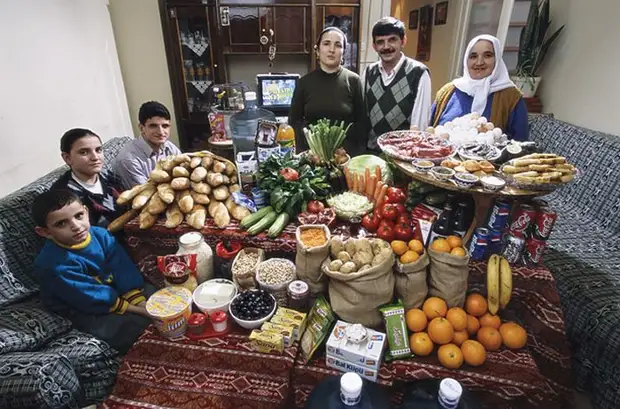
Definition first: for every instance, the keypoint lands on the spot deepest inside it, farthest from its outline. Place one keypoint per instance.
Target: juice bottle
(286, 139)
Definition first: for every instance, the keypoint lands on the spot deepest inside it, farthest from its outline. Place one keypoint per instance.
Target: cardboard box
(287, 332)
(367, 353)
(345, 366)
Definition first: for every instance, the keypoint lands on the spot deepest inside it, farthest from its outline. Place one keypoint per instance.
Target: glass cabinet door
(346, 18)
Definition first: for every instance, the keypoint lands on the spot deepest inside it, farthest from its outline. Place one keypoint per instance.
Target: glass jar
(298, 295)
(194, 243)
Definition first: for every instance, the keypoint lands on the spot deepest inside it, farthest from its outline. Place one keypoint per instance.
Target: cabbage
(359, 164)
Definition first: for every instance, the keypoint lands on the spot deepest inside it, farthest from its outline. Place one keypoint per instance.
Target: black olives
(252, 305)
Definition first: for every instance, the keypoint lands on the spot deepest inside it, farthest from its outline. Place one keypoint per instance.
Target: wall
(580, 76)
(59, 70)
(142, 56)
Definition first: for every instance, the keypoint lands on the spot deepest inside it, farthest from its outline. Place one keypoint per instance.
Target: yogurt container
(170, 309)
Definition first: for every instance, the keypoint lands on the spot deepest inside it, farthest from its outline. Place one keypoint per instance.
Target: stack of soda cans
(521, 238)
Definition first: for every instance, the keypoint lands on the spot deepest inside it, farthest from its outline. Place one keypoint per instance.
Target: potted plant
(533, 47)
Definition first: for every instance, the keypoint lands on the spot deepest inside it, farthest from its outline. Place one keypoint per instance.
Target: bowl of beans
(274, 276)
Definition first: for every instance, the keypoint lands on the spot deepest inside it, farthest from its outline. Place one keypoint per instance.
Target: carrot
(347, 175)
(355, 182)
(370, 190)
(367, 180)
(378, 173)
(361, 184)
(377, 191)
(381, 199)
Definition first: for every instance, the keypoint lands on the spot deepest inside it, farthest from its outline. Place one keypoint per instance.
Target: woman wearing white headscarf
(485, 88)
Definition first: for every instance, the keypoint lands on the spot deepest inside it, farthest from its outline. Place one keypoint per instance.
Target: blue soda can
(495, 241)
(259, 197)
(478, 246)
(499, 215)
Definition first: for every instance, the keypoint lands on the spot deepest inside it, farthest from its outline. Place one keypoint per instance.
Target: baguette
(195, 162)
(174, 216)
(167, 164)
(201, 187)
(185, 201)
(539, 168)
(180, 183)
(165, 192)
(197, 217)
(215, 179)
(120, 222)
(140, 200)
(219, 167)
(147, 220)
(234, 179)
(182, 158)
(198, 174)
(221, 193)
(155, 205)
(531, 174)
(230, 169)
(180, 172)
(220, 214)
(527, 162)
(128, 195)
(159, 176)
(199, 197)
(234, 188)
(240, 212)
(206, 162)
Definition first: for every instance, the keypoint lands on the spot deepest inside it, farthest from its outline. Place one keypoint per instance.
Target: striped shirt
(137, 160)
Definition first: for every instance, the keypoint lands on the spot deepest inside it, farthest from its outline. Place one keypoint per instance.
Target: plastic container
(219, 320)
(224, 258)
(194, 243)
(348, 391)
(243, 126)
(170, 309)
(210, 308)
(197, 323)
(435, 394)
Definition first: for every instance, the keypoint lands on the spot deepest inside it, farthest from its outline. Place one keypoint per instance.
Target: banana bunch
(499, 283)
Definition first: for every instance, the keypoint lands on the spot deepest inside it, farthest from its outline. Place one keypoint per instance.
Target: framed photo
(441, 13)
(424, 33)
(414, 17)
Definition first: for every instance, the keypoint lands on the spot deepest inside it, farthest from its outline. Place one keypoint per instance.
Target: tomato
(315, 206)
(400, 208)
(371, 222)
(289, 174)
(386, 231)
(403, 218)
(403, 232)
(386, 222)
(396, 195)
(389, 211)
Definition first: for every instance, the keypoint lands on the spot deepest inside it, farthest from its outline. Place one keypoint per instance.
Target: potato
(335, 265)
(344, 257)
(195, 162)
(348, 267)
(350, 246)
(206, 162)
(159, 176)
(180, 172)
(378, 245)
(180, 183)
(201, 188)
(221, 193)
(362, 258)
(219, 167)
(363, 245)
(381, 257)
(166, 192)
(198, 174)
(364, 268)
(336, 246)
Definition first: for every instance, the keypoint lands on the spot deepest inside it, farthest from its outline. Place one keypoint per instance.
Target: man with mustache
(397, 89)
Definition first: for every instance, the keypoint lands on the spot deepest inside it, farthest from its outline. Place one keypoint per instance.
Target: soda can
(495, 241)
(499, 214)
(534, 249)
(513, 247)
(478, 246)
(523, 219)
(545, 219)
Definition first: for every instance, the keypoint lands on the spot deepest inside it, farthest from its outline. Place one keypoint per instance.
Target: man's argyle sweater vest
(389, 107)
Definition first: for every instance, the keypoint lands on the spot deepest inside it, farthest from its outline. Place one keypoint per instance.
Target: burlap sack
(309, 259)
(448, 277)
(410, 279)
(356, 297)
(247, 280)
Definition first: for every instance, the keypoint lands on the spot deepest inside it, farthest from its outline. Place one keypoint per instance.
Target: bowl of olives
(251, 308)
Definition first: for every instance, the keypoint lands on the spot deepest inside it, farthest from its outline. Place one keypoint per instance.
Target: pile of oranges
(451, 244)
(454, 331)
(408, 252)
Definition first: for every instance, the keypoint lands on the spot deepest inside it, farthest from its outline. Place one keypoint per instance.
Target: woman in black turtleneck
(332, 92)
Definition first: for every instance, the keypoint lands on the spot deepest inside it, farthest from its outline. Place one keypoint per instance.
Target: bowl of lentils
(251, 308)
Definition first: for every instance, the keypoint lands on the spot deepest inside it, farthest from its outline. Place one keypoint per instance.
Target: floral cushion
(28, 326)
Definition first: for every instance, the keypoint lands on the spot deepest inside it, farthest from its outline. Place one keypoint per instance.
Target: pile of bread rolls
(185, 187)
(540, 168)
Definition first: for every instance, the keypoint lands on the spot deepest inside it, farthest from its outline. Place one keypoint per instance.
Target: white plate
(465, 156)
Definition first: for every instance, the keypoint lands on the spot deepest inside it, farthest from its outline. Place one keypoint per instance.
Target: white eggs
(468, 128)
(497, 132)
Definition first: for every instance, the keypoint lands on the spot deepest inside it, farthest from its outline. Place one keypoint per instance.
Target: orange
(490, 338)
(410, 256)
(474, 353)
(440, 330)
(417, 246)
(490, 320)
(399, 247)
(454, 241)
(476, 305)
(416, 320)
(450, 356)
(513, 335)
(435, 307)
(460, 337)
(458, 318)
(441, 246)
(421, 344)
(473, 325)
(458, 251)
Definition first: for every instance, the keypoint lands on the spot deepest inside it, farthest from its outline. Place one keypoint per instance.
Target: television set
(275, 91)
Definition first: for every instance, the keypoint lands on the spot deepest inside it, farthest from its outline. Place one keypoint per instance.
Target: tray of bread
(539, 171)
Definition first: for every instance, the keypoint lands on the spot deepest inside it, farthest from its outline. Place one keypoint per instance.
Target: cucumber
(255, 217)
(263, 224)
(279, 225)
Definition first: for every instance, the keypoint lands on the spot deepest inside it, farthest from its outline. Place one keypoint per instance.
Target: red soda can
(523, 218)
(534, 249)
(543, 225)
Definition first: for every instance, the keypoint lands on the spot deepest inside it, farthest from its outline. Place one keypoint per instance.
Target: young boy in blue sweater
(85, 275)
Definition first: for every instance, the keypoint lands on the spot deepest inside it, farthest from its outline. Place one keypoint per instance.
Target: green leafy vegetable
(324, 138)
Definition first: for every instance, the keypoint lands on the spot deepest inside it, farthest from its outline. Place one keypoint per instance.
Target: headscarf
(481, 89)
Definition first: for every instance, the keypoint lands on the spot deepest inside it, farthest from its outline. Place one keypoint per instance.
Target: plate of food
(412, 145)
(479, 151)
(539, 171)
